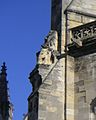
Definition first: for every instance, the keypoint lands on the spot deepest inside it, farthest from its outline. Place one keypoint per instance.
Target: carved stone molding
(83, 32)
(83, 40)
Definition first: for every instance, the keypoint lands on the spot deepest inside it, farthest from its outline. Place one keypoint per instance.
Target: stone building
(64, 79)
(6, 107)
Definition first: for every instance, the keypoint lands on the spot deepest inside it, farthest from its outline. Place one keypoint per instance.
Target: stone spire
(3, 69)
(5, 105)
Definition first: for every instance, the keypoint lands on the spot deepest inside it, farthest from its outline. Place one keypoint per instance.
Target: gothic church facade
(64, 79)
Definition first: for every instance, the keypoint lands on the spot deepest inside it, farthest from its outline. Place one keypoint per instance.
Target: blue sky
(23, 26)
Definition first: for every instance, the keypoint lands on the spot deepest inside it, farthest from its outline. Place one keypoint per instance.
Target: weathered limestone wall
(51, 94)
(73, 21)
(84, 6)
(50, 72)
(51, 91)
(85, 85)
(70, 88)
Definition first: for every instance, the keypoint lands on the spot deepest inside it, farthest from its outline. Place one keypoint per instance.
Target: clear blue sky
(23, 26)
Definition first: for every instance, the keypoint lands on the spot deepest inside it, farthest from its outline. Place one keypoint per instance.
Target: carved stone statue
(49, 49)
